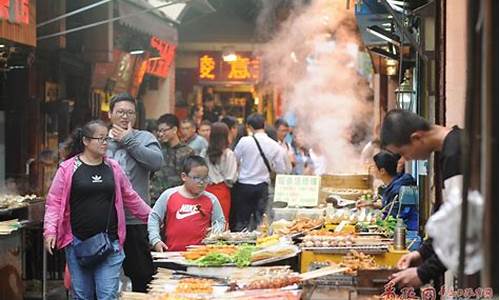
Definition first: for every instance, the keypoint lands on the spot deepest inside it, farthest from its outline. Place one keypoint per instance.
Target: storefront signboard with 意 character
(160, 66)
(297, 191)
(244, 68)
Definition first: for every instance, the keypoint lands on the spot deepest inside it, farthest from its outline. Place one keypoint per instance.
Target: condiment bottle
(330, 211)
(400, 235)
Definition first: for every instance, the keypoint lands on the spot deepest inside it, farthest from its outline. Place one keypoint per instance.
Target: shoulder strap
(109, 212)
(266, 162)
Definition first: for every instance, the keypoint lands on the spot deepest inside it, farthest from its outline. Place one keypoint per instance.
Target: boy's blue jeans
(101, 281)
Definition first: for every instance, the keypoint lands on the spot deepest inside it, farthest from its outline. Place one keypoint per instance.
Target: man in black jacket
(414, 138)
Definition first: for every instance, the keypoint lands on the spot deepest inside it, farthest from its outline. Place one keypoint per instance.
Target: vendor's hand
(411, 259)
(406, 278)
(50, 244)
(363, 203)
(160, 247)
(119, 133)
(208, 231)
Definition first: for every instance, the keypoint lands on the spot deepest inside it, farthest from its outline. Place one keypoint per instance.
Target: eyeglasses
(200, 180)
(101, 139)
(163, 130)
(124, 113)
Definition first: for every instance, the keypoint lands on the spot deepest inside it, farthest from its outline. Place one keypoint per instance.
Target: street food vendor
(187, 212)
(386, 170)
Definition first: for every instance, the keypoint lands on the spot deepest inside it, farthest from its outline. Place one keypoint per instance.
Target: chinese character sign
(207, 67)
(160, 66)
(245, 68)
(297, 190)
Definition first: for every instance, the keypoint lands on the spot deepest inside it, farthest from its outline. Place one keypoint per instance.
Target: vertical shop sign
(141, 66)
(4, 9)
(160, 66)
(212, 68)
(16, 11)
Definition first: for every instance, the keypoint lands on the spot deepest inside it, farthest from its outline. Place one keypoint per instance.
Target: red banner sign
(16, 11)
(160, 66)
(244, 68)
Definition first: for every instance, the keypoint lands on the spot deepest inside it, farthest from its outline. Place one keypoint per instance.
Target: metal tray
(345, 250)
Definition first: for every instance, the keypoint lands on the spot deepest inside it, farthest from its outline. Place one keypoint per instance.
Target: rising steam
(313, 59)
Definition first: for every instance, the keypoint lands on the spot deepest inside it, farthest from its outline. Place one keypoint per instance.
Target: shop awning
(149, 23)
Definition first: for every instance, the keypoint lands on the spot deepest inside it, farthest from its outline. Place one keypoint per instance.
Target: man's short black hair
(119, 98)
(206, 122)
(190, 121)
(256, 121)
(193, 161)
(281, 122)
(170, 119)
(399, 125)
(230, 121)
(387, 161)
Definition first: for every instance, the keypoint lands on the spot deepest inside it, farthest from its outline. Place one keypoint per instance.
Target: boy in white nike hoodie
(187, 212)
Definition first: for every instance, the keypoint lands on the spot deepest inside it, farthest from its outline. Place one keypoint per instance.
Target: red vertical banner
(22, 11)
(4, 9)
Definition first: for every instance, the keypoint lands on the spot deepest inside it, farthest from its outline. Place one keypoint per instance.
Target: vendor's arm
(218, 220)
(426, 249)
(158, 216)
(366, 203)
(430, 269)
(145, 150)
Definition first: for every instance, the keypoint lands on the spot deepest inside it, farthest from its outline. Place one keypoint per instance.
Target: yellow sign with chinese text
(212, 68)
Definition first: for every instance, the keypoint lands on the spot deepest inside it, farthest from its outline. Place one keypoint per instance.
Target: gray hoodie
(139, 154)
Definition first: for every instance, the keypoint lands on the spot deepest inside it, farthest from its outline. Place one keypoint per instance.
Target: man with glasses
(187, 212)
(174, 153)
(138, 153)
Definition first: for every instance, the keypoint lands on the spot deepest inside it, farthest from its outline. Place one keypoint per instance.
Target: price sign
(297, 190)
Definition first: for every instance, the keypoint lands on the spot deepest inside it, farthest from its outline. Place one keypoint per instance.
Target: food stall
(339, 250)
(16, 213)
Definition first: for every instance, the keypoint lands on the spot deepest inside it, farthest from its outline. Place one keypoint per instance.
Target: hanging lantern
(405, 94)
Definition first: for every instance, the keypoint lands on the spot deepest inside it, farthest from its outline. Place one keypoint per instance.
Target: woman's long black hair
(75, 145)
(218, 142)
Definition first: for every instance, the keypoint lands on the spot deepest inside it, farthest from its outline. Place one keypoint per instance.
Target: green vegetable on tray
(214, 260)
(243, 257)
(388, 225)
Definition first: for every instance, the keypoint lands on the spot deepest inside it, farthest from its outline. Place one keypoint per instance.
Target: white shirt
(319, 162)
(225, 171)
(252, 167)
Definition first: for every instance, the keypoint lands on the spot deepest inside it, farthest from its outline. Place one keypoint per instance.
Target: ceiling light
(2, 46)
(136, 52)
(230, 57)
(228, 54)
(384, 34)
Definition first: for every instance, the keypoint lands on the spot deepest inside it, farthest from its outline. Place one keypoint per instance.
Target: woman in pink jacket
(88, 195)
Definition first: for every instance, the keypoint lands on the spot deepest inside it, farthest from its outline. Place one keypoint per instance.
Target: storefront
(232, 78)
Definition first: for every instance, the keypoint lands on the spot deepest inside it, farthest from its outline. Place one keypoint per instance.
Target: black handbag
(96, 248)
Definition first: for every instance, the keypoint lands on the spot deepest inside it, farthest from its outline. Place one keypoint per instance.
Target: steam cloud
(313, 59)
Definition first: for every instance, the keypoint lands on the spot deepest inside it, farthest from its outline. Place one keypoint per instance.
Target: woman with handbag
(84, 214)
(222, 166)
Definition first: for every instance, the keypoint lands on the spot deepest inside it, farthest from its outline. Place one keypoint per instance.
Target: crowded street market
(248, 149)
